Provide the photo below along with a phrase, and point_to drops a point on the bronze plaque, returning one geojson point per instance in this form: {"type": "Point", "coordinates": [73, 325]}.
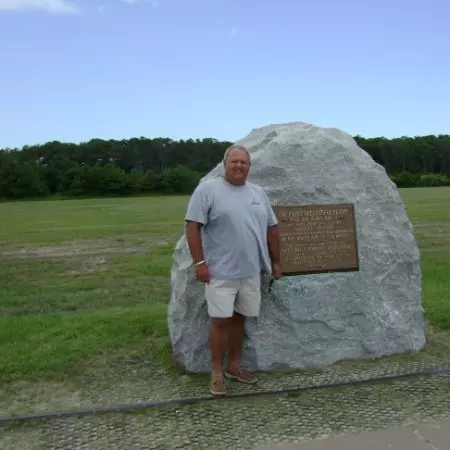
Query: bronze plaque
{"type": "Point", "coordinates": [317, 238]}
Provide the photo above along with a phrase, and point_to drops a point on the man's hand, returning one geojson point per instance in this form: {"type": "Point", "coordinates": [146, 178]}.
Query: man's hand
{"type": "Point", "coordinates": [202, 273]}
{"type": "Point", "coordinates": [277, 272]}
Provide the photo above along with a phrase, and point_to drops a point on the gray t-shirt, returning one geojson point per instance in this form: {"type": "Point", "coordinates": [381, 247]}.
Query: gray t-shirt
{"type": "Point", "coordinates": [234, 235]}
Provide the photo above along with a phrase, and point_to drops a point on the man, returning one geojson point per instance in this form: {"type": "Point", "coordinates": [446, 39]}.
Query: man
{"type": "Point", "coordinates": [232, 233]}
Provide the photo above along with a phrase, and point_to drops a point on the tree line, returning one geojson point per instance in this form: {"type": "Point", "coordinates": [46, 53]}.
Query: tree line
{"type": "Point", "coordinates": [162, 165]}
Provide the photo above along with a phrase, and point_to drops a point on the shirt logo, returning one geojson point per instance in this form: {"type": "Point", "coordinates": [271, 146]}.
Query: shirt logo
{"type": "Point", "coordinates": [254, 202]}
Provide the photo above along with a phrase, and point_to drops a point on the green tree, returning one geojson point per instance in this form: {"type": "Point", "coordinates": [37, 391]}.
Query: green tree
{"type": "Point", "coordinates": [141, 165]}
{"type": "Point", "coordinates": [178, 180]}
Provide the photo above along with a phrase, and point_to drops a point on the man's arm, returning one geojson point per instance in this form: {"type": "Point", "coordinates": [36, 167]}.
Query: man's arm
{"type": "Point", "coordinates": [197, 217]}
{"type": "Point", "coordinates": [194, 240]}
{"type": "Point", "coordinates": [273, 244]}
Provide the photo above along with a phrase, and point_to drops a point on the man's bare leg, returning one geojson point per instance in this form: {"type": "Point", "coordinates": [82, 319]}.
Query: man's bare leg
{"type": "Point", "coordinates": [235, 343]}
{"type": "Point", "coordinates": [218, 341]}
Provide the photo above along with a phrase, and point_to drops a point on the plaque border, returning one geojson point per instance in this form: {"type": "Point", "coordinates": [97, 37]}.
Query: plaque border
{"type": "Point", "coordinates": [351, 206]}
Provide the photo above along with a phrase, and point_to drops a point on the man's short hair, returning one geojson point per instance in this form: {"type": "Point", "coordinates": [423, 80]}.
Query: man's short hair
{"type": "Point", "coordinates": [239, 147]}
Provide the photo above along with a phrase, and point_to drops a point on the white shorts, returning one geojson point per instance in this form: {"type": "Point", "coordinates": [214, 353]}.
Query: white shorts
{"type": "Point", "coordinates": [242, 295]}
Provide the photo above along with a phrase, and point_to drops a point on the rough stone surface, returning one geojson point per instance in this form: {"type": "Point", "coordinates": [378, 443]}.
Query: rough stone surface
{"type": "Point", "coordinates": [319, 319]}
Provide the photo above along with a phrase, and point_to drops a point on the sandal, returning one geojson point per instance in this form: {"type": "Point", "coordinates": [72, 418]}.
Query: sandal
{"type": "Point", "coordinates": [242, 376]}
{"type": "Point", "coordinates": [217, 386]}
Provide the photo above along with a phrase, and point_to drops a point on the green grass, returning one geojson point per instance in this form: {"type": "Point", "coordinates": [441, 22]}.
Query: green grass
{"type": "Point", "coordinates": [56, 343]}
{"type": "Point", "coordinates": [429, 211]}
{"type": "Point", "coordinates": [82, 278]}
{"type": "Point", "coordinates": [26, 224]}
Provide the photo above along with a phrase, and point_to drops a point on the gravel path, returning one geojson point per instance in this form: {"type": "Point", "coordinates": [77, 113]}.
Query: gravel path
{"type": "Point", "coordinates": [250, 422]}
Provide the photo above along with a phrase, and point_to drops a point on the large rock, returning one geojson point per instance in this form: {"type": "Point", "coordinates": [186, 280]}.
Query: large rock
{"type": "Point", "coordinates": [317, 319]}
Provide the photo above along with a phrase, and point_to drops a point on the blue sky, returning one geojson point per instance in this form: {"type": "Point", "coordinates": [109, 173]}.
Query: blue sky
{"type": "Point", "coordinates": [72, 70]}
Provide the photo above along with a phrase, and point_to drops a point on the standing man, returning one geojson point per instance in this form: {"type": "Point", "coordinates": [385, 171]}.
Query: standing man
{"type": "Point", "coordinates": [232, 234]}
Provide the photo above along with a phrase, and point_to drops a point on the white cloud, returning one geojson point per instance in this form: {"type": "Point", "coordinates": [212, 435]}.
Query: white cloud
{"type": "Point", "coordinates": [133, 2]}
{"type": "Point", "coordinates": [52, 6]}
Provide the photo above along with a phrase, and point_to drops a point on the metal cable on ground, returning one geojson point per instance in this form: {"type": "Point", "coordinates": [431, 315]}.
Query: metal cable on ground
{"type": "Point", "coordinates": [192, 400]}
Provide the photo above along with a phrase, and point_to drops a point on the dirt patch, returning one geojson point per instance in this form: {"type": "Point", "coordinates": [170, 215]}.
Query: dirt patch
{"type": "Point", "coordinates": [95, 247]}
{"type": "Point", "coordinates": [64, 251]}
{"type": "Point", "coordinates": [433, 228]}
{"type": "Point", "coordinates": [111, 378]}
{"type": "Point", "coordinates": [89, 265]}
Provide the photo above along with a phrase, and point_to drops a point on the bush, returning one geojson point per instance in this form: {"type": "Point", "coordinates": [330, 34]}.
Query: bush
{"type": "Point", "coordinates": [434, 180]}
{"type": "Point", "coordinates": [178, 180]}
{"type": "Point", "coordinates": [406, 180]}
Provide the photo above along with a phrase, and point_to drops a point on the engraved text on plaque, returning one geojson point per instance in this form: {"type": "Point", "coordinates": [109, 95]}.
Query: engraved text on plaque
{"type": "Point", "coordinates": [317, 238]}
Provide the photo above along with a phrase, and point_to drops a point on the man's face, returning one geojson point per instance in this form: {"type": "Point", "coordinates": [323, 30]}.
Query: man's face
{"type": "Point", "coordinates": [237, 166]}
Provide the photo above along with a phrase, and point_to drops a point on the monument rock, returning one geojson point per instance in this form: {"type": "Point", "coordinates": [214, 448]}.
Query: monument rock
{"type": "Point", "coordinates": [316, 319]}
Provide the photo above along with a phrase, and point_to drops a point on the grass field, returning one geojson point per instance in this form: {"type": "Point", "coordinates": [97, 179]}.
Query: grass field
{"type": "Point", "coordinates": [82, 278]}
